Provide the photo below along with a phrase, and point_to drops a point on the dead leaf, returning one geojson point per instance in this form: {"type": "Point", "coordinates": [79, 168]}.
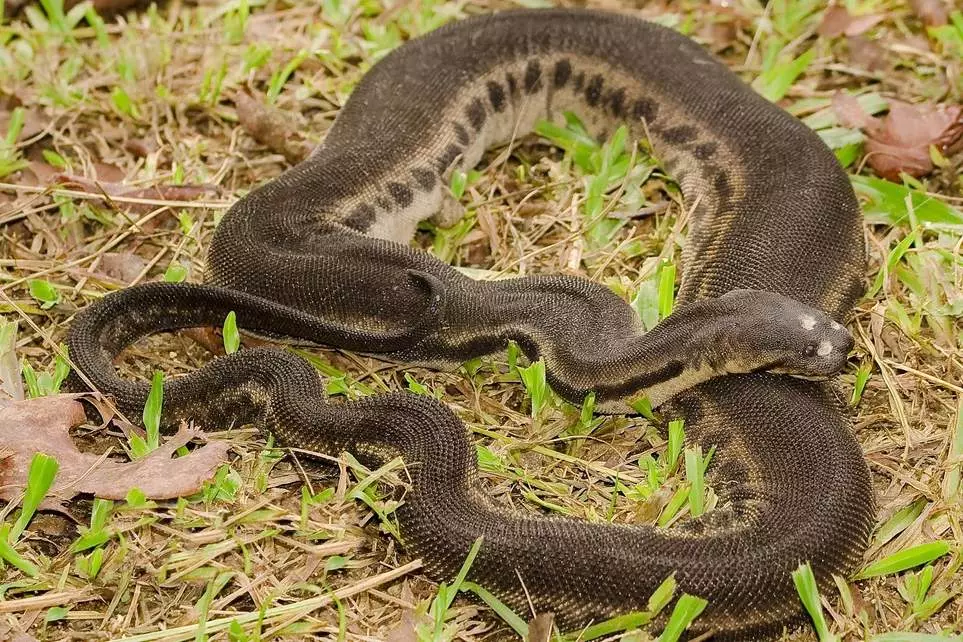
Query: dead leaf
{"type": "Point", "coordinates": [109, 173]}
{"type": "Point", "coordinates": [850, 113]}
{"type": "Point", "coordinates": [407, 629]}
{"type": "Point", "coordinates": [867, 54]}
{"type": "Point", "coordinates": [34, 123]}
{"type": "Point", "coordinates": [837, 21]}
{"type": "Point", "coordinates": [36, 174]}
{"type": "Point", "coordinates": [540, 628]}
{"type": "Point", "coordinates": [122, 266]}
{"type": "Point", "coordinates": [15, 635]}
{"type": "Point", "coordinates": [931, 12]}
{"type": "Point", "coordinates": [901, 141]}
{"type": "Point", "coordinates": [270, 127]}
{"type": "Point", "coordinates": [43, 425]}
{"type": "Point", "coordinates": [140, 147]}
{"type": "Point", "coordinates": [111, 190]}
{"type": "Point", "coordinates": [11, 383]}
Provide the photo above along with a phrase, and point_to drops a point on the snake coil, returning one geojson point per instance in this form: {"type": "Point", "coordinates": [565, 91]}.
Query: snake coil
{"type": "Point", "coordinates": [773, 260]}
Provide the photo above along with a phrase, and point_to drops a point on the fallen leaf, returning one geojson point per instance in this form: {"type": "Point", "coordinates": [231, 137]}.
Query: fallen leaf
{"type": "Point", "coordinates": [43, 425]}
{"type": "Point", "coordinates": [931, 12]}
{"type": "Point", "coordinates": [109, 173]}
{"type": "Point", "coordinates": [867, 54]}
{"type": "Point", "coordinates": [270, 127]}
{"type": "Point", "coordinates": [901, 141]}
{"type": "Point", "coordinates": [34, 123]}
{"type": "Point", "coordinates": [540, 628]}
{"type": "Point", "coordinates": [122, 266]}
{"type": "Point", "coordinates": [140, 147]}
{"type": "Point", "coordinates": [837, 21]}
{"type": "Point", "coordinates": [11, 383]}
{"type": "Point", "coordinates": [407, 629]}
{"type": "Point", "coordinates": [36, 174]}
{"type": "Point", "coordinates": [110, 191]}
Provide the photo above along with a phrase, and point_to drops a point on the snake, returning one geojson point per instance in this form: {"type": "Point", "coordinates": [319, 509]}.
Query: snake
{"type": "Point", "coordinates": [773, 262]}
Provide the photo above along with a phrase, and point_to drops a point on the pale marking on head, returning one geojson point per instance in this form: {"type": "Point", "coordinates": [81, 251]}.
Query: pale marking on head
{"type": "Point", "coordinates": [835, 326]}
{"type": "Point", "coordinates": [807, 322]}
{"type": "Point", "coordinates": [825, 347]}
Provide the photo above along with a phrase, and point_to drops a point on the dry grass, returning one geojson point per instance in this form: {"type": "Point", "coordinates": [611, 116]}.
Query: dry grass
{"type": "Point", "coordinates": [147, 100]}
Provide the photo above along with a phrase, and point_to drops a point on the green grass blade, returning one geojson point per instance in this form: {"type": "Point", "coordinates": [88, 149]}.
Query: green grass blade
{"type": "Point", "coordinates": [626, 622]}
{"type": "Point", "coordinates": [232, 339]}
{"type": "Point", "coordinates": [808, 591]}
{"type": "Point", "coordinates": [661, 596]}
{"type": "Point", "coordinates": [886, 203]}
{"type": "Point", "coordinates": [693, 472]}
{"type": "Point", "coordinates": [40, 477]}
{"type": "Point", "coordinates": [507, 615]}
{"type": "Point", "coordinates": [906, 559]}
{"type": "Point", "coordinates": [12, 557]}
{"type": "Point", "coordinates": [463, 572]}
{"type": "Point", "coordinates": [686, 610]}
{"type": "Point", "coordinates": [666, 288]}
{"type": "Point", "coordinates": [152, 410]}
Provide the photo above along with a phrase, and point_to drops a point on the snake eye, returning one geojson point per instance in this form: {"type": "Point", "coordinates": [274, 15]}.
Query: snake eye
{"type": "Point", "coordinates": [810, 350]}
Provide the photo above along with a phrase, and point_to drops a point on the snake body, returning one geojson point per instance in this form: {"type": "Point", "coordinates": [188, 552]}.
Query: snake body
{"type": "Point", "coordinates": [321, 254]}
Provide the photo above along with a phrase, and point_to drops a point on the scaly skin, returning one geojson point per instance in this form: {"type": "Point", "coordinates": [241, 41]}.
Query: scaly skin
{"type": "Point", "coordinates": [320, 253]}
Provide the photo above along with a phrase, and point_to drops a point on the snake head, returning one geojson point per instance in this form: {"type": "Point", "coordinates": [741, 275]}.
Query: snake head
{"type": "Point", "coordinates": [775, 333]}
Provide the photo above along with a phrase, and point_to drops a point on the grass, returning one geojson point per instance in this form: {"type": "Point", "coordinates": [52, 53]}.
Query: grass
{"type": "Point", "coordinates": [272, 547]}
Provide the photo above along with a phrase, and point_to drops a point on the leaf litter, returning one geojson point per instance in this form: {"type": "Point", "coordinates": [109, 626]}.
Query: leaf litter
{"type": "Point", "coordinates": [900, 142]}
{"type": "Point", "coordinates": [43, 425]}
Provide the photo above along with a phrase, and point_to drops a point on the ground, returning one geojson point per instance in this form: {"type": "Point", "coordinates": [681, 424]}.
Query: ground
{"type": "Point", "coordinates": [136, 131]}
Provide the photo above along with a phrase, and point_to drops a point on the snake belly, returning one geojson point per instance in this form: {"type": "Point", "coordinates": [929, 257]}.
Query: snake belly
{"type": "Point", "coordinates": [321, 253]}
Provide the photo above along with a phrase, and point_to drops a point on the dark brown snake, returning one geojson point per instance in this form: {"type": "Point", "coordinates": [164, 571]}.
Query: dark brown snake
{"type": "Point", "coordinates": [321, 254]}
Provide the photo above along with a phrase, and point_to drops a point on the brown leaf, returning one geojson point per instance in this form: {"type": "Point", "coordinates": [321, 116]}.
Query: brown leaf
{"type": "Point", "coordinates": [931, 12]}
{"type": "Point", "coordinates": [33, 123]}
{"type": "Point", "coordinates": [109, 173]}
{"type": "Point", "coordinates": [111, 191]}
{"type": "Point", "coordinates": [407, 629]}
{"type": "Point", "coordinates": [901, 141]}
{"type": "Point", "coordinates": [867, 54]}
{"type": "Point", "coordinates": [540, 628]}
{"type": "Point", "coordinates": [122, 266]}
{"type": "Point", "coordinates": [850, 113]}
{"type": "Point", "coordinates": [36, 174]}
{"type": "Point", "coordinates": [270, 127]}
{"type": "Point", "coordinates": [43, 425]}
{"type": "Point", "coordinates": [11, 383]}
{"type": "Point", "coordinates": [140, 147]}
{"type": "Point", "coordinates": [837, 21]}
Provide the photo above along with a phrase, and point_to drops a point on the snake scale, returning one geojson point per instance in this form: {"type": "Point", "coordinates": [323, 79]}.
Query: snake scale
{"type": "Point", "coordinates": [773, 260]}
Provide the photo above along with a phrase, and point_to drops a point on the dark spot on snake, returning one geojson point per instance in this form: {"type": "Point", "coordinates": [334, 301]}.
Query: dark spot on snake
{"type": "Point", "coordinates": [616, 101]}
{"type": "Point", "coordinates": [512, 85]}
{"type": "Point", "coordinates": [533, 77]}
{"type": "Point", "coordinates": [476, 114]}
{"type": "Point", "coordinates": [593, 93]}
{"type": "Point", "coordinates": [401, 193]}
{"type": "Point", "coordinates": [461, 134]}
{"type": "Point", "coordinates": [580, 81]}
{"type": "Point", "coordinates": [563, 71]}
{"type": "Point", "coordinates": [644, 109]}
{"type": "Point", "coordinates": [722, 186]}
{"type": "Point", "coordinates": [496, 96]}
{"type": "Point", "coordinates": [360, 217]}
{"type": "Point", "coordinates": [424, 177]}
{"type": "Point", "coordinates": [448, 157]}
{"type": "Point", "coordinates": [679, 134]}
{"type": "Point", "coordinates": [704, 150]}
{"type": "Point", "coordinates": [383, 202]}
